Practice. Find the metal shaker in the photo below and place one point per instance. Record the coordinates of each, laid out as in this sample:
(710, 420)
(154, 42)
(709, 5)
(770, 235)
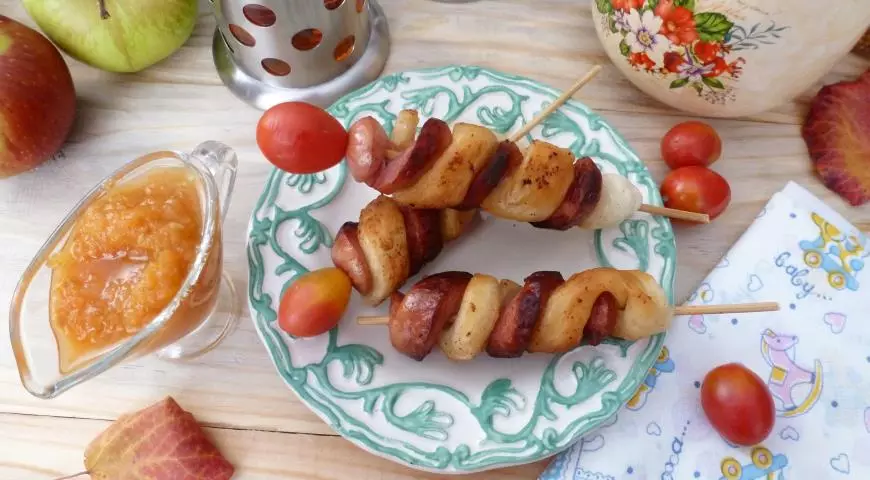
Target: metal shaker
(272, 51)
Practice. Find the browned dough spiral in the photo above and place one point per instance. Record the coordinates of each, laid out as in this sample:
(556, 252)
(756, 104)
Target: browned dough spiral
(469, 168)
(468, 314)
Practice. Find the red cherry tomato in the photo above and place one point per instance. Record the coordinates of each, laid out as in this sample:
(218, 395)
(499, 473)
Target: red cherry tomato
(298, 137)
(691, 143)
(314, 303)
(738, 404)
(696, 189)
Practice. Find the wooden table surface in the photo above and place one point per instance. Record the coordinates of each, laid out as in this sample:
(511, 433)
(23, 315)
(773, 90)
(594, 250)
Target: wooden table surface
(255, 419)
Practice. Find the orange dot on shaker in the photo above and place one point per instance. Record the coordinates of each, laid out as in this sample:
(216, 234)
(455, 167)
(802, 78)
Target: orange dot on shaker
(259, 15)
(344, 48)
(360, 4)
(242, 35)
(276, 67)
(332, 4)
(307, 39)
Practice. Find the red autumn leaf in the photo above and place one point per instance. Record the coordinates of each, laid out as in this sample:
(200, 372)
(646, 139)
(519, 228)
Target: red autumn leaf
(160, 442)
(837, 134)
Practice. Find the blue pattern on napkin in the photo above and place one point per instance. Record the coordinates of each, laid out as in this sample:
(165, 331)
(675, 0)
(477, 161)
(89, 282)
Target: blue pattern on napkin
(814, 355)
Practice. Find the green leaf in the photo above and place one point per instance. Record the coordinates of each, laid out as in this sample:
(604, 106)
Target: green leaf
(652, 4)
(611, 25)
(604, 6)
(635, 239)
(712, 82)
(712, 26)
(358, 361)
(679, 83)
(305, 182)
(689, 4)
(499, 119)
(498, 398)
(557, 123)
(427, 422)
(422, 99)
(393, 81)
(624, 48)
(311, 234)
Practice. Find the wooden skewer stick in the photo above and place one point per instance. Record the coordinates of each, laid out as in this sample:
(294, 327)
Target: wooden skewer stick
(674, 213)
(733, 308)
(651, 209)
(372, 320)
(681, 310)
(556, 104)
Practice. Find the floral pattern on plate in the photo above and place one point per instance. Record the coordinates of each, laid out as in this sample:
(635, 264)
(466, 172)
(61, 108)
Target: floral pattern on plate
(436, 415)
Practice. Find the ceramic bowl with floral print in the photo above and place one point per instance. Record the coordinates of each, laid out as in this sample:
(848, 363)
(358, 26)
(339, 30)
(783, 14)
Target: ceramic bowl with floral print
(727, 58)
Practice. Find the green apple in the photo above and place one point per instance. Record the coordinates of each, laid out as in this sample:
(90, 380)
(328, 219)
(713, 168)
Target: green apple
(116, 35)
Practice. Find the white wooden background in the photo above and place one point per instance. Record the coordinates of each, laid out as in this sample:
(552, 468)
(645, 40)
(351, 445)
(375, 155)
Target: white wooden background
(256, 421)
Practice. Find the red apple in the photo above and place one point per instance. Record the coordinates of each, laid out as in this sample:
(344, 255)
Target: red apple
(37, 98)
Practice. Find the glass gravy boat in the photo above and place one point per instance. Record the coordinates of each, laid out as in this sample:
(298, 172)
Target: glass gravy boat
(203, 311)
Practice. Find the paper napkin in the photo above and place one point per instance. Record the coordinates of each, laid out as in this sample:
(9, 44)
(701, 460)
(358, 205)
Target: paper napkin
(814, 355)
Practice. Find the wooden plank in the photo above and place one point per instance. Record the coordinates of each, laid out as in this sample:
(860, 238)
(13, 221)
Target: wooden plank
(510, 35)
(181, 102)
(44, 448)
(236, 384)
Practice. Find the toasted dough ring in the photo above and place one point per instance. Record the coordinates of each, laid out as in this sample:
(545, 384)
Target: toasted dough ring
(647, 310)
(406, 168)
(561, 325)
(535, 189)
(417, 322)
(454, 222)
(392, 242)
(382, 238)
(508, 289)
(449, 176)
(405, 129)
(473, 323)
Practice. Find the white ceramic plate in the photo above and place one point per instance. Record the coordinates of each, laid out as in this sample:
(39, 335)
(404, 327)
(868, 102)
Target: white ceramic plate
(438, 415)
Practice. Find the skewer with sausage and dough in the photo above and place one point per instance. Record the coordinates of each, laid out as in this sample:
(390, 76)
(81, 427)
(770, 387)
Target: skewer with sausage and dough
(432, 186)
(467, 314)
(469, 168)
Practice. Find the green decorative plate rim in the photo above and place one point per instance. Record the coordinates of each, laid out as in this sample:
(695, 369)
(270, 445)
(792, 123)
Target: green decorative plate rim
(311, 383)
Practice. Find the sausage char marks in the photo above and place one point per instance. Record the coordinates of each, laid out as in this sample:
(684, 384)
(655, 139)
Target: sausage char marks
(467, 314)
(392, 242)
(469, 168)
(513, 330)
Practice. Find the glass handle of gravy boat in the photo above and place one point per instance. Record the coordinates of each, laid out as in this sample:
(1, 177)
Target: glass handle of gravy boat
(219, 162)
(222, 163)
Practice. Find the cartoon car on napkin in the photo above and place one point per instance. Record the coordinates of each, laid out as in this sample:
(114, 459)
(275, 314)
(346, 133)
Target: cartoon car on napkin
(840, 255)
(764, 465)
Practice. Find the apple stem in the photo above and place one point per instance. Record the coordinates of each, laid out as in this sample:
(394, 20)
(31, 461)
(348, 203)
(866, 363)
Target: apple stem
(104, 13)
